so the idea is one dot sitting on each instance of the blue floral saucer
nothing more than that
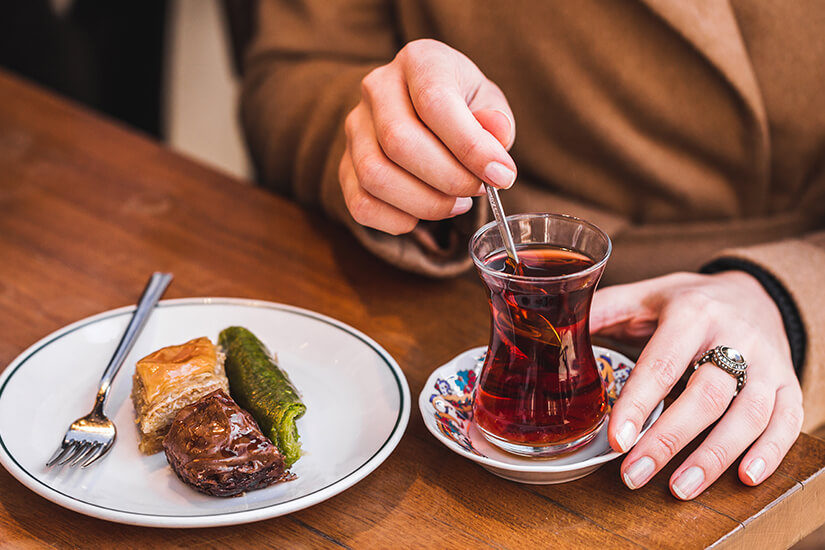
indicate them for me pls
(446, 404)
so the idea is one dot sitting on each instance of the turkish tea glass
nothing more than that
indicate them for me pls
(540, 393)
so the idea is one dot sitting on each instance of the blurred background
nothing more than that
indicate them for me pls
(169, 68)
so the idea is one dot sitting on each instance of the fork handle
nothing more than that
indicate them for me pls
(148, 300)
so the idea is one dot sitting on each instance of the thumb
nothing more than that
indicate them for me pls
(498, 123)
(625, 311)
(490, 107)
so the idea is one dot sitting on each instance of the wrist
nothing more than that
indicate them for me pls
(749, 273)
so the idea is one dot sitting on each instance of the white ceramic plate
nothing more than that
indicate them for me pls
(446, 405)
(358, 405)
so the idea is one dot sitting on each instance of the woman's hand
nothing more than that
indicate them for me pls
(429, 128)
(684, 315)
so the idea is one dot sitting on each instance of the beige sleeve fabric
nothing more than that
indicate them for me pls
(302, 77)
(799, 264)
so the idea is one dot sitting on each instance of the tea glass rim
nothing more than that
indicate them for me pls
(599, 264)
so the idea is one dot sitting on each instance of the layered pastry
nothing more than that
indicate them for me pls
(168, 380)
(217, 448)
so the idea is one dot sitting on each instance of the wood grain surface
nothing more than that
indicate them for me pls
(88, 209)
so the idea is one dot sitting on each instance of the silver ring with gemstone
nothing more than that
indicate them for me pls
(730, 361)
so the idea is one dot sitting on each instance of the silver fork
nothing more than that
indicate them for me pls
(90, 438)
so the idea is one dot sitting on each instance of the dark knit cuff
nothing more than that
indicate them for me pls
(797, 338)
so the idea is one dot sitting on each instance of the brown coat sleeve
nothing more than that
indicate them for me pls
(302, 76)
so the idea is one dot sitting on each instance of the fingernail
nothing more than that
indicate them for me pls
(462, 204)
(499, 175)
(481, 190)
(626, 436)
(755, 470)
(639, 472)
(687, 483)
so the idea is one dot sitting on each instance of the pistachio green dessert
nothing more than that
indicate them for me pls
(258, 384)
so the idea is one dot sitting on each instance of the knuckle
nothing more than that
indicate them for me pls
(344, 170)
(430, 100)
(395, 138)
(666, 372)
(411, 50)
(792, 416)
(362, 208)
(464, 184)
(696, 301)
(436, 209)
(757, 409)
(367, 84)
(716, 457)
(418, 47)
(371, 173)
(349, 124)
(714, 397)
(719, 313)
(638, 410)
(682, 278)
(774, 450)
(371, 83)
(470, 148)
(667, 444)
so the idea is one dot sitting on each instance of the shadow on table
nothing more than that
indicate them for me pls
(409, 313)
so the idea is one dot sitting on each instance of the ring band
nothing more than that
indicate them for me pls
(729, 360)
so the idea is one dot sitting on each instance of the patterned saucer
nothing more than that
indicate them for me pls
(446, 403)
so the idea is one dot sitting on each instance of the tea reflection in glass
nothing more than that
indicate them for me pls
(540, 392)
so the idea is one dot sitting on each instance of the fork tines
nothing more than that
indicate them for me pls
(74, 452)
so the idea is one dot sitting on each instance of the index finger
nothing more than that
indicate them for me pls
(410, 144)
(441, 105)
(666, 356)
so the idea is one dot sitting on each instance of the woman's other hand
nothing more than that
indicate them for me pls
(684, 315)
(429, 128)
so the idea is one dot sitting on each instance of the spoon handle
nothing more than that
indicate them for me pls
(501, 222)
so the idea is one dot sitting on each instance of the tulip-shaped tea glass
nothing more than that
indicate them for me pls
(540, 392)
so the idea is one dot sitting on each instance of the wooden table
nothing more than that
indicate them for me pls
(88, 209)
